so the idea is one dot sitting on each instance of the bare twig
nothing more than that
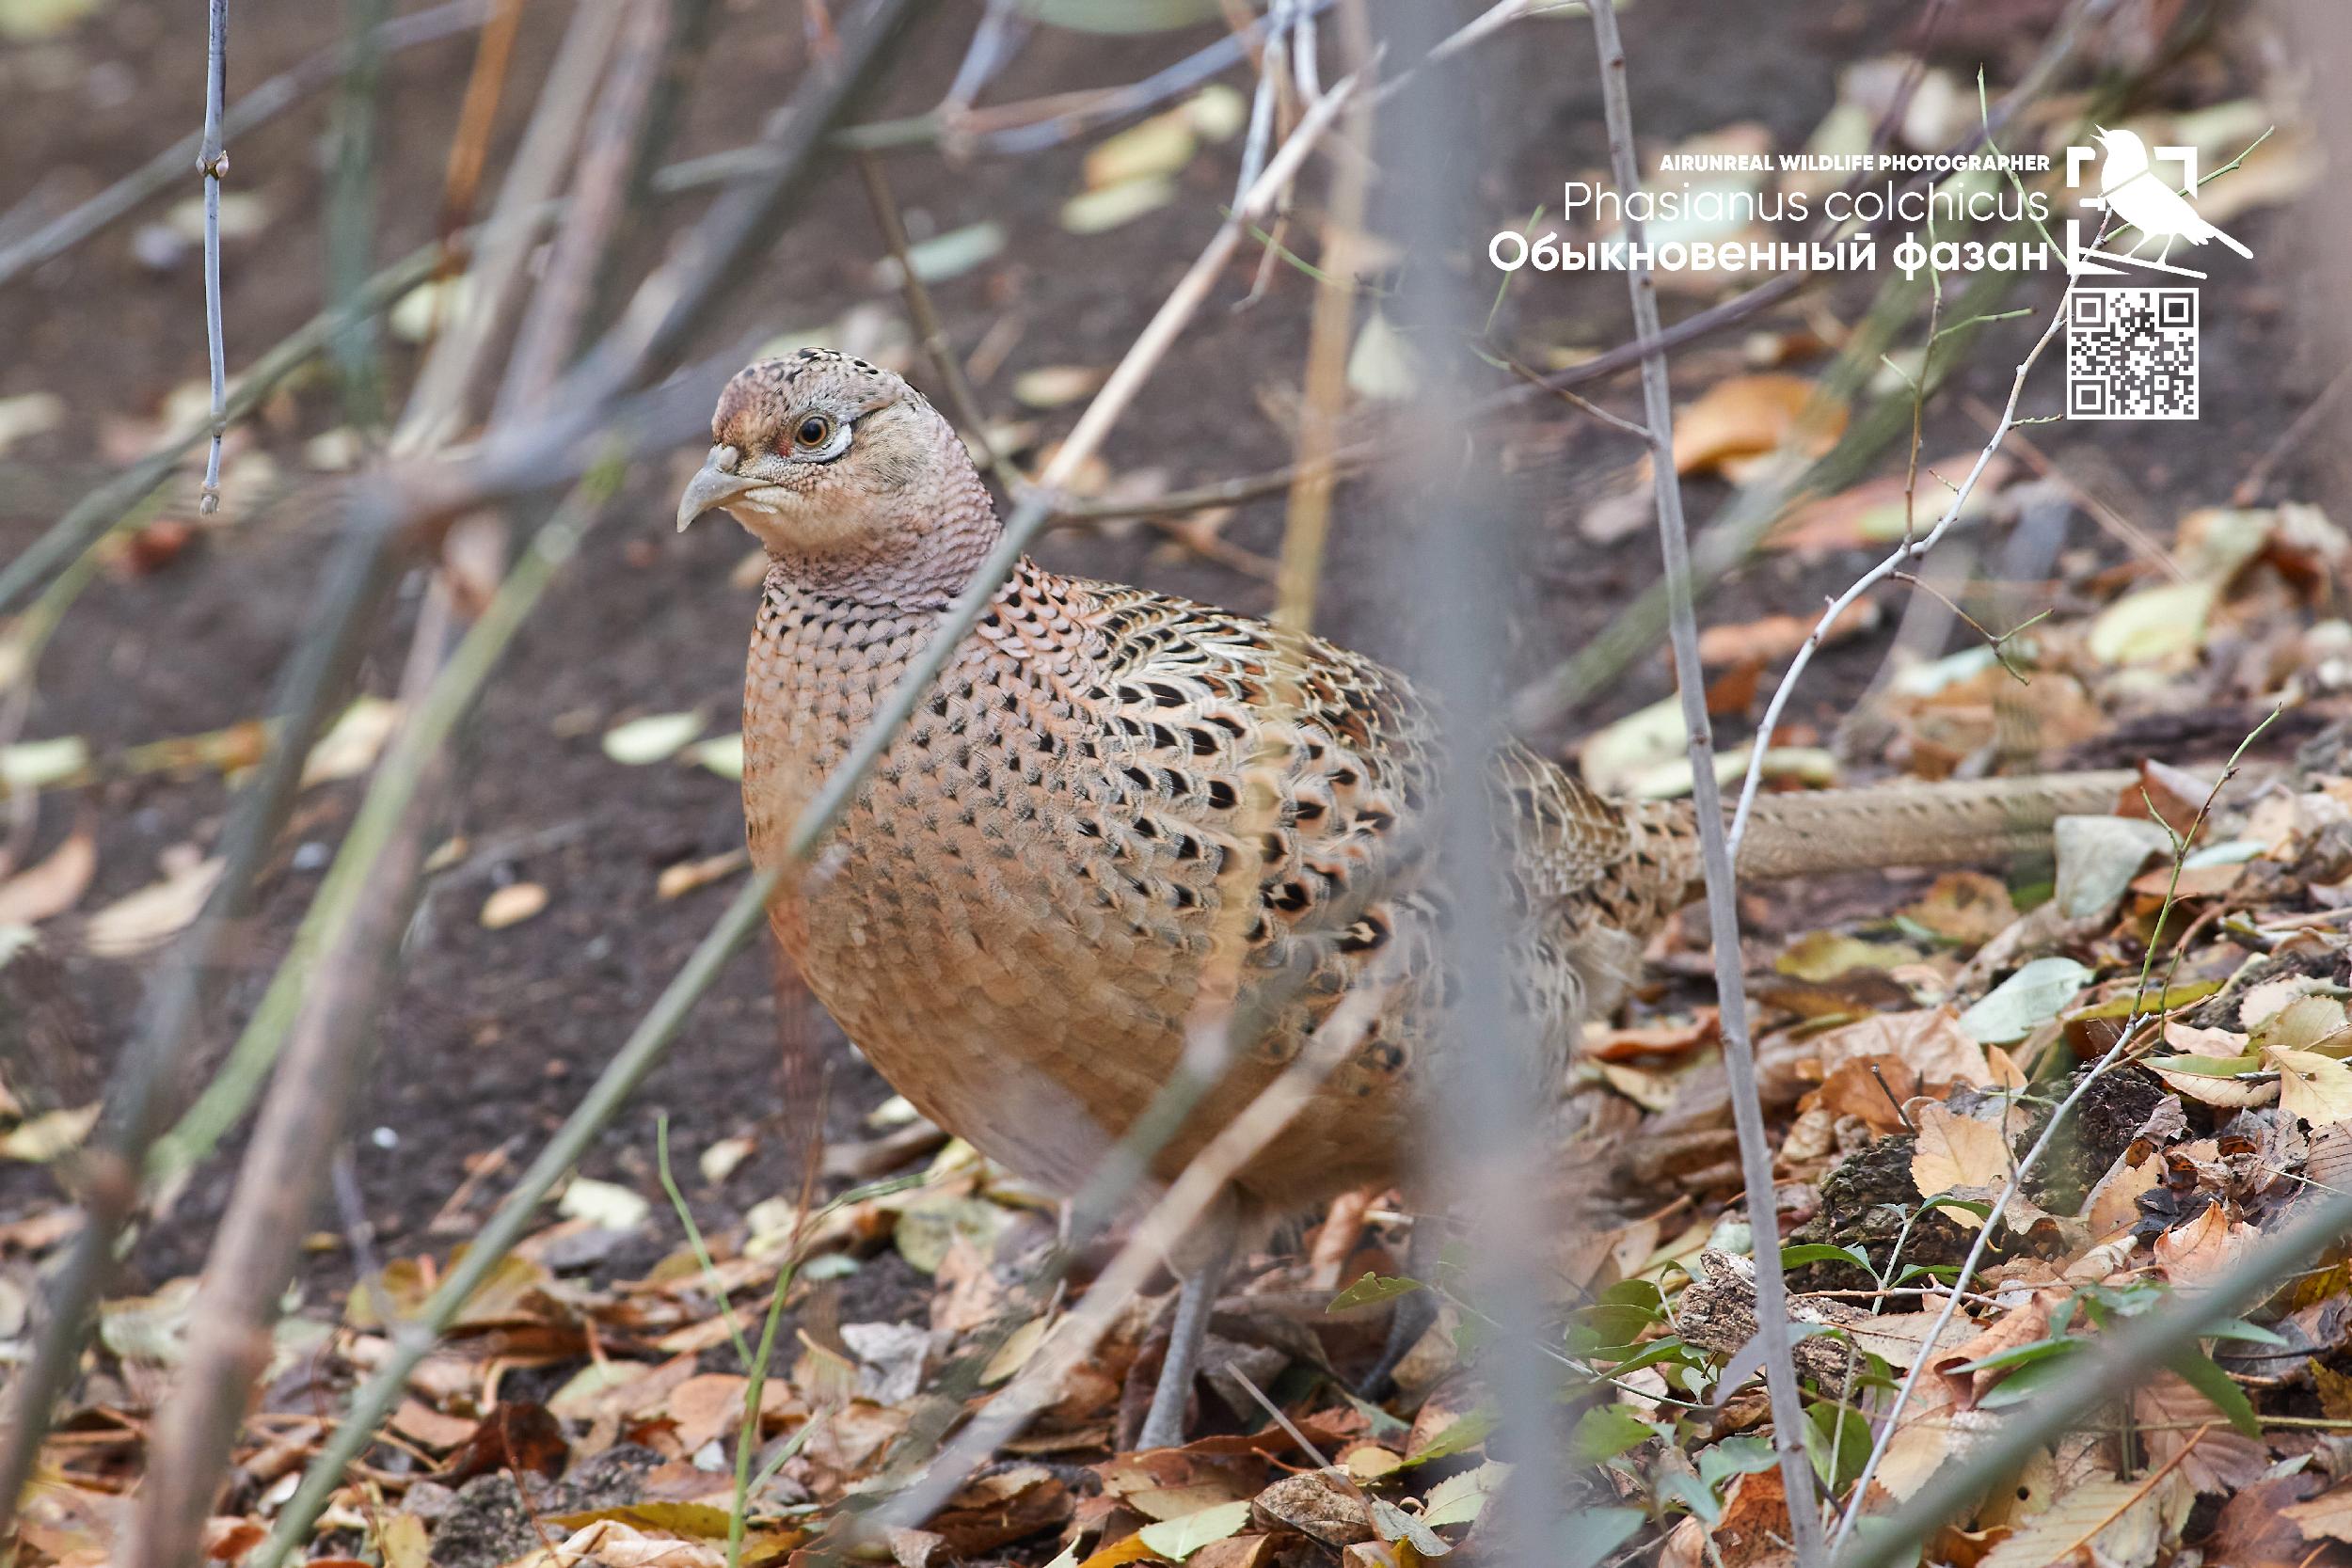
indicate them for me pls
(469, 142)
(439, 405)
(1722, 916)
(274, 97)
(351, 213)
(212, 161)
(931, 333)
(608, 155)
(1328, 338)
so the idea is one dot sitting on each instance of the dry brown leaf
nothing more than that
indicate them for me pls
(1747, 416)
(2206, 1248)
(2021, 1325)
(52, 885)
(2328, 1515)
(1956, 1153)
(2173, 1412)
(1775, 638)
(1931, 1041)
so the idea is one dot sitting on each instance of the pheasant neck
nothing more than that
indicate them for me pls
(915, 554)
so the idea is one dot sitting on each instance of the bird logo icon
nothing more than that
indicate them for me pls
(2130, 188)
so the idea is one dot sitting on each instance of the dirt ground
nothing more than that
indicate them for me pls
(494, 1034)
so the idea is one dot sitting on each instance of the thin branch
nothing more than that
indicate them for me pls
(1330, 331)
(272, 98)
(351, 213)
(212, 161)
(1756, 1151)
(931, 333)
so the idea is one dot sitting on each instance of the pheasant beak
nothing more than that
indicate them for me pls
(714, 484)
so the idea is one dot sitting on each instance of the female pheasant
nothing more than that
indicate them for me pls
(1114, 800)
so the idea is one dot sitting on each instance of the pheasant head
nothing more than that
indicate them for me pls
(853, 483)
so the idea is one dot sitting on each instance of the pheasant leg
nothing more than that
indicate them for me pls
(1196, 1303)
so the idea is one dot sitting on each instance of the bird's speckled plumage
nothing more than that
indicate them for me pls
(1112, 795)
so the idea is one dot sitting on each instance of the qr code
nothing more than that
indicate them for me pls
(2131, 354)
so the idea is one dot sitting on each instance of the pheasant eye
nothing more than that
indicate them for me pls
(815, 431)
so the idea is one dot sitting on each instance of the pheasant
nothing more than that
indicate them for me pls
(1113, 799)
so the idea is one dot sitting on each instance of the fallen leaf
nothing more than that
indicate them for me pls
(2026, 1001)
(352, 744)
(1774, 638)
(604, 1204)
(153, 915)
(52, 885)
(656, 738)
(1097, 212)
(1161, 145)
(511, 905)
(1052, 386)
(1178, 1539)
(1956, 1153)
(1381, 364)
(2316, 1087)
(1745, 415)
(44, 1138)
(2166, 622)
(944, 256)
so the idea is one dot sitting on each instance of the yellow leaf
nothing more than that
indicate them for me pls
(2153, 623)
(2316, 1087)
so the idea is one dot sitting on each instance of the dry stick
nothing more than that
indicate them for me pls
(1329, 334)
(561, 297)
(357, 941)
(212, 161)
(441, 403)
(1723, 915)
(1482, 1104)
(373, 885)
(351, 217)
(2125, 1039)
(931, 333)
(469, 144)
(670, 303)
(272, 97)
(2117, 1363)
(1911, 549)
